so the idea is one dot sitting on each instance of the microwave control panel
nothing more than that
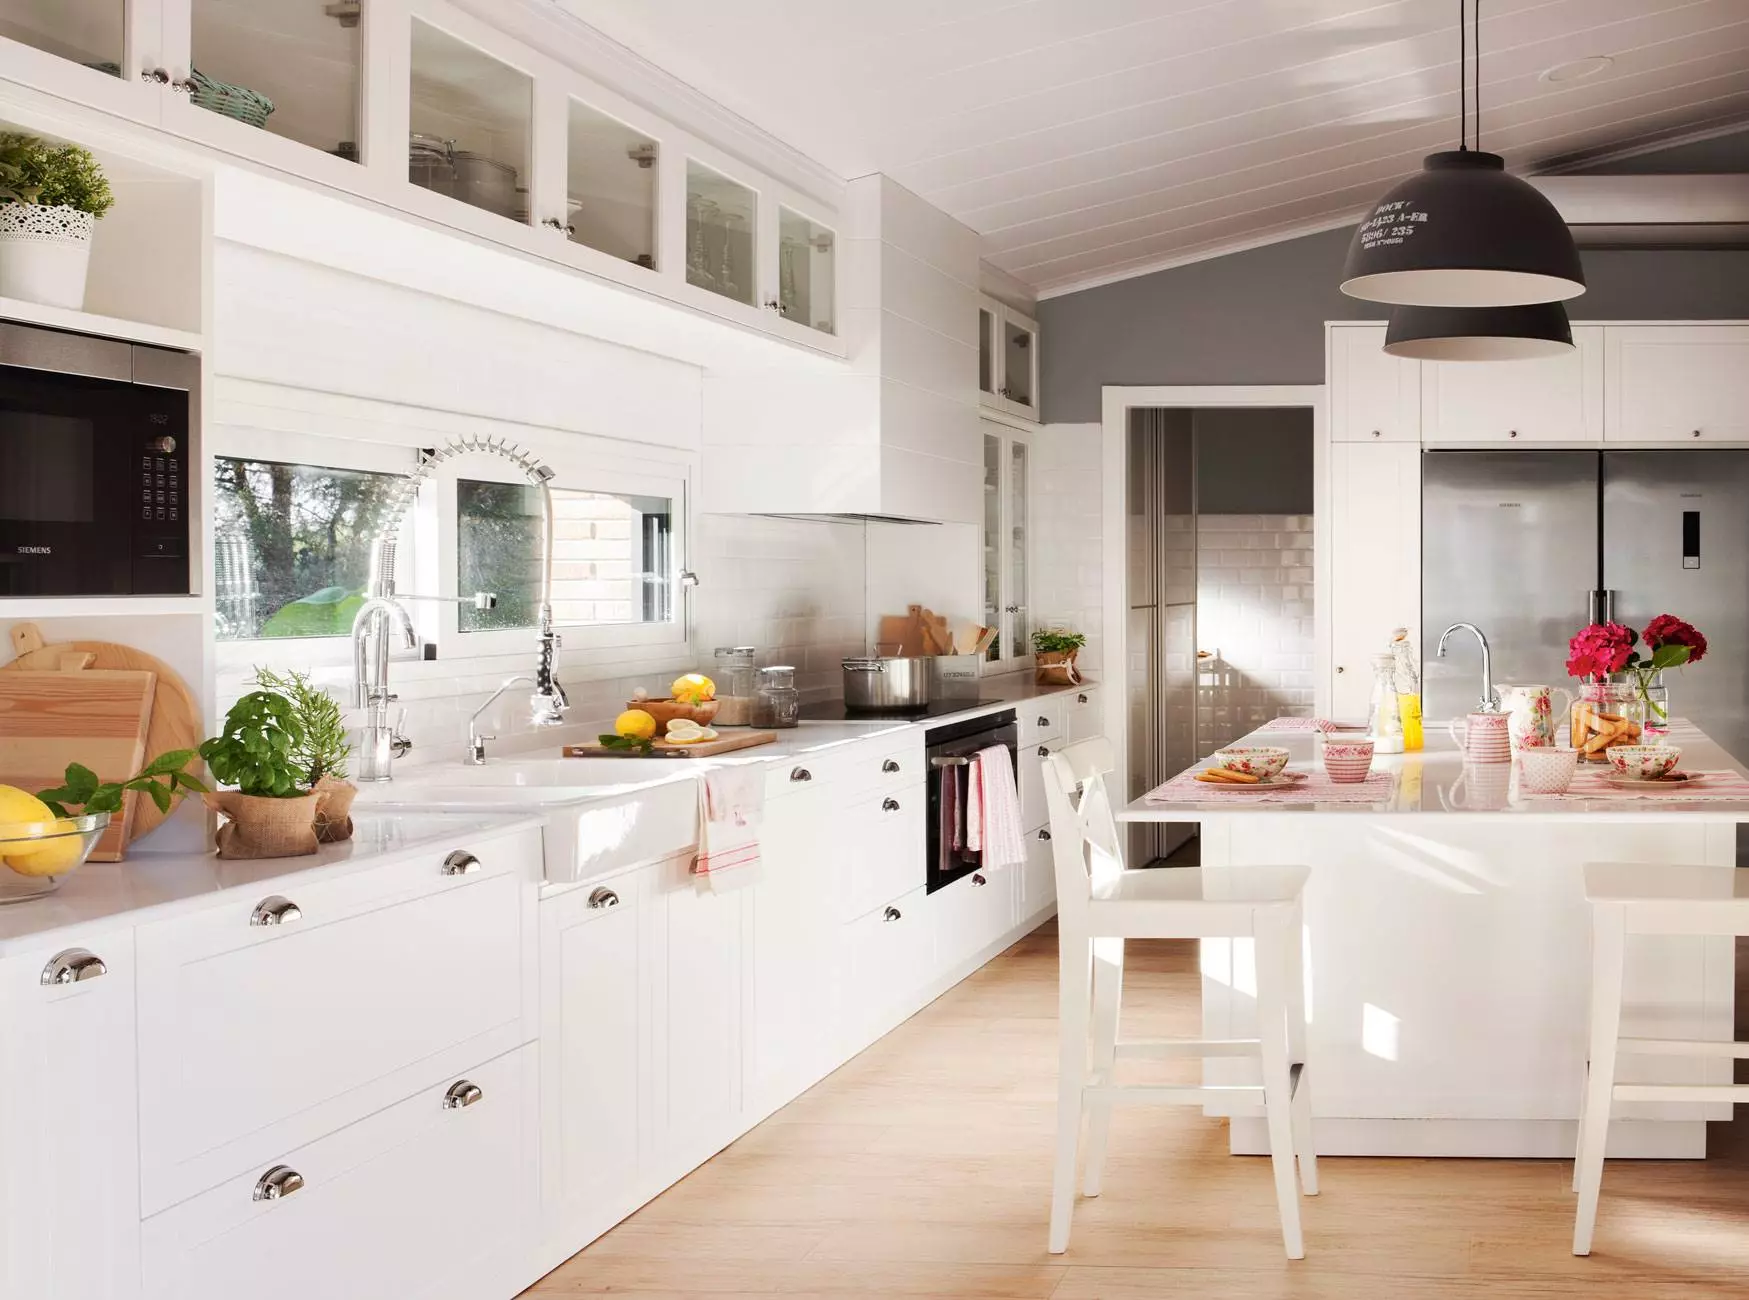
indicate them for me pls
(162, 481)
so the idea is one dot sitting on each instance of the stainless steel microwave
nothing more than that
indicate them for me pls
(95, 465)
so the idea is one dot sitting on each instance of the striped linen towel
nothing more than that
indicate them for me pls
(731, 805)
(1325, 725)
(993, 809)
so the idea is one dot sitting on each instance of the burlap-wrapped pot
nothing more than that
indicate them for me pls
(334, 809)
(263, 827)
(1055, 668)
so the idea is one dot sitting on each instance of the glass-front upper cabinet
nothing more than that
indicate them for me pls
(721, 225)
(1008, 543)
(610, 186)
(291, 69)
(806, 271)
(107, 53)
(470, 117)
(1008, 360)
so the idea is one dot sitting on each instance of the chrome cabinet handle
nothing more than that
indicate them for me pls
(891, 914)
(1080, 699)
(73, 966)
(1340, 668)
(978, 879)
(891, 765)
(156, 76)
(603, 897)
(185, 86)
(278, 1183)
(1512, 433)
(889, 805)
(460, 863)
(1375, 433)
(1043, 752)
(1044, 835)
(800, 774)
(461, 1095)
(1697, 433)
(275, 910)
(1043, 721)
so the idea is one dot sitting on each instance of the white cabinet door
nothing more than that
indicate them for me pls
(1375, 562)
(972, 913)
(1374, 397)
(881, 844)
(891, 955)
(1556, 399)
(65, 47)
(1084, 720)
(792, 948)
(1676, 383)
(594, 1060)
(69, 1141)
(698, 991)
(1038, 880)
(1031, 762)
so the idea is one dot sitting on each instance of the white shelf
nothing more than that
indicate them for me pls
(109, 327)
(20, 608)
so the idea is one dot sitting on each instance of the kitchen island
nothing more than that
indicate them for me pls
(1448, 954)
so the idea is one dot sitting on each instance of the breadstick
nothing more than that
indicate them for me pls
(1220, 776)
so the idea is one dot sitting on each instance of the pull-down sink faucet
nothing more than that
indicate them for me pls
(1487, 704)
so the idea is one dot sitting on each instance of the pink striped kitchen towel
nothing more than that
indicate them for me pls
(997, 807)
(731, 805)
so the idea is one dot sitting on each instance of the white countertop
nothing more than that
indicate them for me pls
(1436, 781)
(149, 884)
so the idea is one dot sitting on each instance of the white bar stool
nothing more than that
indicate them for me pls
(1634, 898)
(1099, 905)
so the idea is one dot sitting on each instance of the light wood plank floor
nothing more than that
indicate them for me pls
(922, 1168)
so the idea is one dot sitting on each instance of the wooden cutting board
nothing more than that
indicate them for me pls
(723, 744)
(94, 717)
(176, 722)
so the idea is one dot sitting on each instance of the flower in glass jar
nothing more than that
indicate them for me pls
(1600, 649)
(1666, 635)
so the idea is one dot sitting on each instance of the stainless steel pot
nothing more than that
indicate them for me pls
(880, 683)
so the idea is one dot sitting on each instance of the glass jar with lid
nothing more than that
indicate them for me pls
(737, 682)
(777, 703)
(1385, 720)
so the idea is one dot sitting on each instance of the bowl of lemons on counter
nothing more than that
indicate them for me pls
(36, 843)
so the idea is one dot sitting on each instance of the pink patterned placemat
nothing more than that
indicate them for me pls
(1594, 784)
(1316, 788)
(1310, 724)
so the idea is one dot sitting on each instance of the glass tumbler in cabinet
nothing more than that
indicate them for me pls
(721, 217)
(806, 255)
(82, 31)
(610, 187)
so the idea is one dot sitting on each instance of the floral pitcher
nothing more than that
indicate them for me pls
(1531, 714)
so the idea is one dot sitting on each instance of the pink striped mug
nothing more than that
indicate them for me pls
(1483, 737)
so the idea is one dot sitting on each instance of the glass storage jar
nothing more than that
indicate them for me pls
(737, 681)
(777, 703)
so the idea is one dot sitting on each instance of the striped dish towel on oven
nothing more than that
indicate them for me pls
(993, 809)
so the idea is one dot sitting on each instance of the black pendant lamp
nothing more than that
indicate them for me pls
(1462, 232)
(1522, 333)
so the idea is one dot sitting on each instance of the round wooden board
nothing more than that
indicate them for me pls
(176, 716)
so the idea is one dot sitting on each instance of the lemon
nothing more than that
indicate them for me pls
(18, 807)
(52, 856)
(634, 724)
(694, 688)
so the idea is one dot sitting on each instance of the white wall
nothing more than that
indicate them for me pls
(1067, 534)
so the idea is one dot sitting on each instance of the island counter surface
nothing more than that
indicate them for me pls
(1448, 956)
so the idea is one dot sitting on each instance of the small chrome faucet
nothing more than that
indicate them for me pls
(476, 755)
(1487, 704)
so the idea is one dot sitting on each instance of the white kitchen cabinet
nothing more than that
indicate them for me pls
(1082, 716)
(105, 53)
(1374, 397)
(878, 849)
(431, 1197)
(1676, 383)
(891, 956)
(596, 1023)
(1038, 879)
(69, 1137)
(1375, 562)
(1550, 399)
(1008, 359)
(972, 913)
(1031, 777)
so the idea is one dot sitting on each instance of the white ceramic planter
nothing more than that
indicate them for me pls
(44, 253)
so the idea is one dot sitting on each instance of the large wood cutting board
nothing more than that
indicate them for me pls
(177, 722)
(723, 744)
(98, 718)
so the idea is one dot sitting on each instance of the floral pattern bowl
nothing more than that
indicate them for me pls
(1253, 760)
(1644, 762)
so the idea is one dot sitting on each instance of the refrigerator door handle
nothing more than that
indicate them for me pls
(1602, 606)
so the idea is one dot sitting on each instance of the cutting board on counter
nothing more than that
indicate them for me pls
(95, 717)
(176, 718)
(723, 744)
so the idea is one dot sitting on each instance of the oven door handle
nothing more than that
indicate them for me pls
(949, 762)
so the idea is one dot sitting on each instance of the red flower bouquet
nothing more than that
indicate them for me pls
(1605, 649)
(1668, 631)
(1600, 650)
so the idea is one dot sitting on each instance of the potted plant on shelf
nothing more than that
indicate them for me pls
(1053, 656)
(271, 810)
(1625, 701)
(51, 196)
(322, 752)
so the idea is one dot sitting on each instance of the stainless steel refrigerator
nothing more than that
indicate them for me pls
(1531, 545)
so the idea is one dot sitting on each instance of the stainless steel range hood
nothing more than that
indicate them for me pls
(1702, 211)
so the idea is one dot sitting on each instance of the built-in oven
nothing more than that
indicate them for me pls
(949, 750)
(95, 465)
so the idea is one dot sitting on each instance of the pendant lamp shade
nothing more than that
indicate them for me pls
(1480, 333)
(1463, 233)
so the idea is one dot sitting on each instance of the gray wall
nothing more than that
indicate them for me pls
(1253, 461)
(1257, 317)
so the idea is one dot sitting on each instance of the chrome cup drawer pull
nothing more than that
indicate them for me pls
(73, 966)
(1044, 722)
(461, 863)
(800, 774)
(891, 765)
(278, 1183)
(979, 880)
(461, 1095)
(1044, 835)
(275, 909)
(603, 897)
(891, 914)
(889, 805)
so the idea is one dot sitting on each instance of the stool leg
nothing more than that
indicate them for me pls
(1298, 1012)
(1607, 943)
(1272, 945)
(1107, 997)
(1074, 961)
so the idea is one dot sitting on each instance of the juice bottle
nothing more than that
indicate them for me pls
(1408, 679)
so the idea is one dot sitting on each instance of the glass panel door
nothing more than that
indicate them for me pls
(720, 221)
(986, 351)
(470, 116)
(1017, 362)
(806, 261)
(292, 69)
(993, 541)
(82, 31)
(1020, 627)
(611, 186)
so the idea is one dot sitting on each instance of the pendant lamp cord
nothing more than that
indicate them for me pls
(1476, 44)
(1463, 82)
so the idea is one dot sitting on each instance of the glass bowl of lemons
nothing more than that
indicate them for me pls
(36, 844)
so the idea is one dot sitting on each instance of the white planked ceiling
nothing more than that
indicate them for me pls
(1090, 140)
